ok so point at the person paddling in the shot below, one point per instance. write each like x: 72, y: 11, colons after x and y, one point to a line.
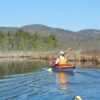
x: 62, y: 61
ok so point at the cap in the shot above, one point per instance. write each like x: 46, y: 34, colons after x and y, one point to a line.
x: 61, y: 52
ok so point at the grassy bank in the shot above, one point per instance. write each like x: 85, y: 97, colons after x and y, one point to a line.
x: 72, y: 56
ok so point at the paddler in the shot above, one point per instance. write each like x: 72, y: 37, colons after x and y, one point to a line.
x: 61, y: 61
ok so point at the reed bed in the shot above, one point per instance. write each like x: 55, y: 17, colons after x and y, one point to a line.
x: 49, y: 55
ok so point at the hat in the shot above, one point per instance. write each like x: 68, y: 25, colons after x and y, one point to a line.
x: 61, y: 52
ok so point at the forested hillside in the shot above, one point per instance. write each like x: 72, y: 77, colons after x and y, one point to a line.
x: 41, y: 37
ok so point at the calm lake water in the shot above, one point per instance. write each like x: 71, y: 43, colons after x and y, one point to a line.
x: 30, y: 80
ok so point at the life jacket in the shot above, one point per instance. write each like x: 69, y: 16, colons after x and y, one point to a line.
x: 62, y: 61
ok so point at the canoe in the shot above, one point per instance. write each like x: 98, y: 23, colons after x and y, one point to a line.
x: 64, y: 69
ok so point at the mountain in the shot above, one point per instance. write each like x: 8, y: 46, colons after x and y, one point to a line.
x: 90, y: 31
x: 43, y: 29
x: 65, y: 36
x: 87, y: 38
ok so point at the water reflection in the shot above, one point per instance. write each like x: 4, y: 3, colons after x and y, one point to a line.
x: 20, y: 66
x: 11, y: 67
x: 85, y: 64
x: 62, y: 79
x: 41, y: 85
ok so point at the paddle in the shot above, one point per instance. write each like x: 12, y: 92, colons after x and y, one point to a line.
x: 49, y: 70
x: 67, y: 51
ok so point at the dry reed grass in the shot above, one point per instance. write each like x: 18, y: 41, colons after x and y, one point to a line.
x: 72, y: 56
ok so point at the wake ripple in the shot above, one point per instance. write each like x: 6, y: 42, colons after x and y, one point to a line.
x: 42, y: 85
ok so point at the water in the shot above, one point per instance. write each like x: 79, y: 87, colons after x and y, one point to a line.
x: 30, y: 80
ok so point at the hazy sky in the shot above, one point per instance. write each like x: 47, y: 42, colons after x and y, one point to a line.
x: 67, y: 14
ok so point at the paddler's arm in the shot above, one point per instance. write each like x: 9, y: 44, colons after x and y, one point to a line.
x: 56, y: 62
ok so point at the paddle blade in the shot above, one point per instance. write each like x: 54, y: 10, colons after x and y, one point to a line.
x: 49, y: 70
x: 68, y: 50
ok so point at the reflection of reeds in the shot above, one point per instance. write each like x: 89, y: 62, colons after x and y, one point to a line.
x: 72, y: 56
x: 86, y: 64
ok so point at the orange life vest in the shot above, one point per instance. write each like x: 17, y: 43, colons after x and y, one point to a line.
x: 62, y: 61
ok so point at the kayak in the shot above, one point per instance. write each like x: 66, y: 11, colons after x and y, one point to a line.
x: 64, y: 69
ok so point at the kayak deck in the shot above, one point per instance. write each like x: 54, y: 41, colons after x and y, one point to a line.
x: 65, y: 69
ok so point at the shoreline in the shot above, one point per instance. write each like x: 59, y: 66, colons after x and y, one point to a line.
x: 50, y: 55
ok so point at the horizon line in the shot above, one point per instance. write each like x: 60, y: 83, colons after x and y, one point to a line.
x: 49, y: 27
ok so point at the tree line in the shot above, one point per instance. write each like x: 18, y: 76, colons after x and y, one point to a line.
x: 21, y: 40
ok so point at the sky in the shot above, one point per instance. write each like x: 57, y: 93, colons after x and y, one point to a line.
x: 73, y: 15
